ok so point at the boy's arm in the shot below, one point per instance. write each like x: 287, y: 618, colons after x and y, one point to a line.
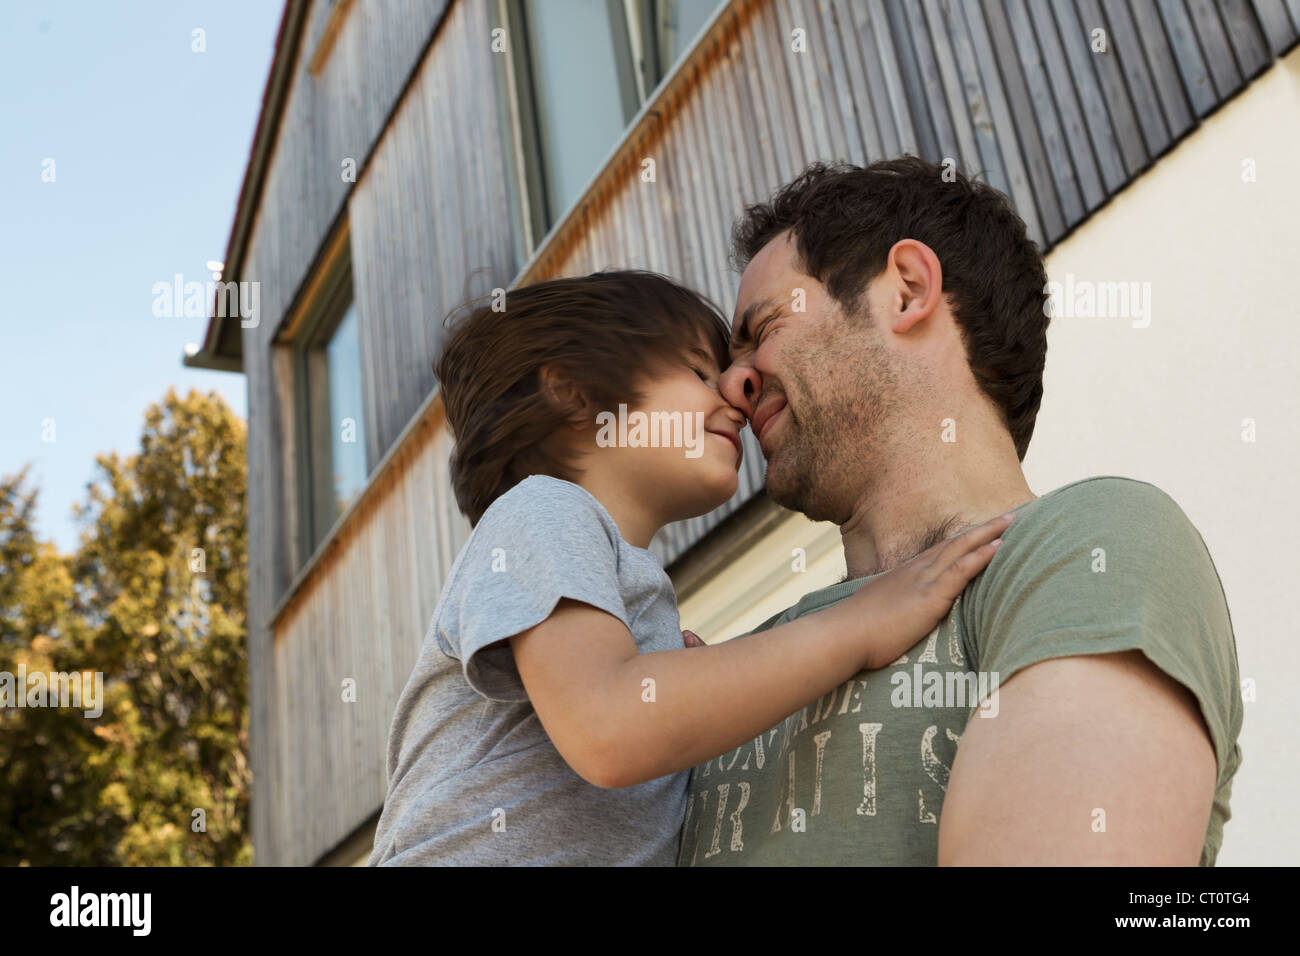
x: 620, y: 718
x: 592, y: 690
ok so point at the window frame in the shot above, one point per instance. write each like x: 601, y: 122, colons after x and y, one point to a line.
x: 641, y: 52
x: 640, y: 69
x: 535, y: 200
x: 313, y: 431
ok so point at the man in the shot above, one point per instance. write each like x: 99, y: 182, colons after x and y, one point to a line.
x: 1081, y: 703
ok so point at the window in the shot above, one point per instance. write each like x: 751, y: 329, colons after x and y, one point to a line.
x: 331, y: 414
x: 581, y: 107
x: 672, y: 27
x: 583, y: 68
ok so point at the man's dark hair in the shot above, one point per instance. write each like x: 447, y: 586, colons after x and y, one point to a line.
x: 846, y: 218
x: 605, y: 333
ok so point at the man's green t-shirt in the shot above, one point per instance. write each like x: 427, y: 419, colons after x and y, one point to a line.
x: 858, y: 777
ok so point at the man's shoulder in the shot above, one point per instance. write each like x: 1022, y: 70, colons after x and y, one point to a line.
x: 1113, y: 507
x: 1101, y: 564
x: 1109, y: 564
x: 1110, y: 506
x: 1108, y: 492
x: 1096, y: 518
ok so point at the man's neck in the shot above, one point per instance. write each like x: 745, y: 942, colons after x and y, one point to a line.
x: 908, y: 511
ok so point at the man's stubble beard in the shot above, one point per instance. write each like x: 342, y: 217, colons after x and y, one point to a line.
x: 831, y: 449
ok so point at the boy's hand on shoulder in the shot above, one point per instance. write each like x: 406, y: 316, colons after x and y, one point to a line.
x: 905, y: 604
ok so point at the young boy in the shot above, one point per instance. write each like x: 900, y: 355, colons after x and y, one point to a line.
x: 553, y: 714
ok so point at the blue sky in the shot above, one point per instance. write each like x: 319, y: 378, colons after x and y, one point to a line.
x: 149, y: 141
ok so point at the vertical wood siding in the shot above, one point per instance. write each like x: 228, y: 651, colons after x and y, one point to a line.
x: 1009, y: 89
x: 430, y: 223
x: 363, y: 619
x: 334, y: 115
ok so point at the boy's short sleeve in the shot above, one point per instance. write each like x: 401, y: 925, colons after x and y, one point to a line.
x: 1114, y: 564
x: 541, y: 541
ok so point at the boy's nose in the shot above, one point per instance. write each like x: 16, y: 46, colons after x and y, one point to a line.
x: 740, y: 385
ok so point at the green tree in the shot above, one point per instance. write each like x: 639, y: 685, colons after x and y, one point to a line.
x: 49, y: 790
x: 154, y: 599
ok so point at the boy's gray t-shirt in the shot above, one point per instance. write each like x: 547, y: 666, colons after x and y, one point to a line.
x: 473, y: 778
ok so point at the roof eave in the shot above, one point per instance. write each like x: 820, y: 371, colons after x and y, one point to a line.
x: 210, y: 354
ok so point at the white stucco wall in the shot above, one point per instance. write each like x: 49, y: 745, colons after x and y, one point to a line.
x: 1166, y: 403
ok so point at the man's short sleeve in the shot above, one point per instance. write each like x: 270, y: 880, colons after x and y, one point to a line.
x: 1112, y: 565
x: 541, y: 541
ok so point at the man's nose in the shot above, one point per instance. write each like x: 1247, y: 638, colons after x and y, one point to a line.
x: 740, y: 385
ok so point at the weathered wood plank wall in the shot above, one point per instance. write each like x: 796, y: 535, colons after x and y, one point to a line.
x: 363, y: 619
x: 329, y: 117
x: 430, y: 223
x: 428, y: 211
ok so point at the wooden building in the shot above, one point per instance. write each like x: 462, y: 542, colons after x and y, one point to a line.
x: 410, y: 153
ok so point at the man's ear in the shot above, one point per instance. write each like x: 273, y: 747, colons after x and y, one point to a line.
x: 920, y: 283
x: 563, y: 394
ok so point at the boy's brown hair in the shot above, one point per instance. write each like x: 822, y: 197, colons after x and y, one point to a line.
x: 605, y: 333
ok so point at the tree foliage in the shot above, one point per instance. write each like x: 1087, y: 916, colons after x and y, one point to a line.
x: 154, y: 599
